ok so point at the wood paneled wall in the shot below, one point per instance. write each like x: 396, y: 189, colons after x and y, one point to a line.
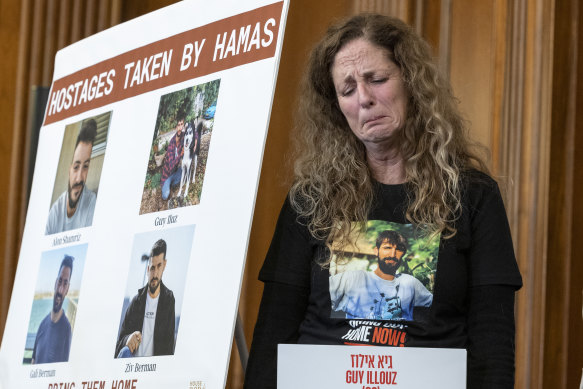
x: 44, y: 26
x: 307, y: 20
x: 31, y: 32
x: 517, y: 68
x: 9, y: 36
x: 563, y: 324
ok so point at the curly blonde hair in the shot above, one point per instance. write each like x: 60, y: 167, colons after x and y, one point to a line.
x: 333, y: 186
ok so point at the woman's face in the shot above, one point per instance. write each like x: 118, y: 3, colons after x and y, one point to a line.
x: 370, y: 92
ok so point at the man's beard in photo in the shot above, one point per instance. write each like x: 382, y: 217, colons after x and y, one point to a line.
x: 57, y: 305
x: 389, y: 268
x: 73, y: 203
x: 152, y: 287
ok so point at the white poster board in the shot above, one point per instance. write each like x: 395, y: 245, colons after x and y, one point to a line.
x: 369, y: 367
x: 207, y: 69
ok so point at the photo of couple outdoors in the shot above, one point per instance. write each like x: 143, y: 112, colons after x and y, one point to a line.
x: 182, y: 135
x: 385, y: 271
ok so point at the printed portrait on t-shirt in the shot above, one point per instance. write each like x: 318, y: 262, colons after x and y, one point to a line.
x: 54, y: 306
x: 150, y: 313
x: 383, y: 271
x: 182, y: 135
x: 72, y: 204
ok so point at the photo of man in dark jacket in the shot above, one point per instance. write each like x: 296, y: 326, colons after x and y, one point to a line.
x: 149, y: 322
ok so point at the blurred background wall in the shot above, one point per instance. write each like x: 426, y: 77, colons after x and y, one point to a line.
x: 516, y: 67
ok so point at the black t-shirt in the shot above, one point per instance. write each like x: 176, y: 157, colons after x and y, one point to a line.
x: 427, y: 304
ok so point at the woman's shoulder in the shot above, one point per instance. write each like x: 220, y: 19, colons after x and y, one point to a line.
x: 475, y: 181
x: 480, y: 191
x: 473, y: 176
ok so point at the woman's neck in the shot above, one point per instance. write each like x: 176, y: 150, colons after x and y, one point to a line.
x: 386, y: 168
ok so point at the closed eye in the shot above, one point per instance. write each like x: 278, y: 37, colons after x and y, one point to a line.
x: 347, y: 92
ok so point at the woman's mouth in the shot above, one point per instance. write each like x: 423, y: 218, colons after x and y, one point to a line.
x: 372, y: 119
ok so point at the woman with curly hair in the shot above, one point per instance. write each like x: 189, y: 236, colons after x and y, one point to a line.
x: 391, y: 218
